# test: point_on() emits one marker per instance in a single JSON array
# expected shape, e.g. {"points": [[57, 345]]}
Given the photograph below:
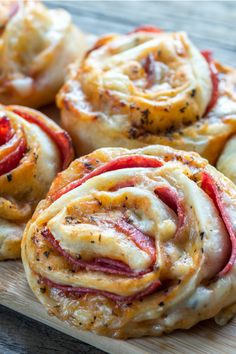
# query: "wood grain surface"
{"points": [[211, 25]]}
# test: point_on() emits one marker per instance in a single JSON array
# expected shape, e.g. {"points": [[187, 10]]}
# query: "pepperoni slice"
{"points": [[61, 139], [214, 78], [11, 161], [78, 291], [105, 265], [149, 67], [210, 187], [171, 198], [146, 28], [113, 165], [144, 242], [6, 132]]}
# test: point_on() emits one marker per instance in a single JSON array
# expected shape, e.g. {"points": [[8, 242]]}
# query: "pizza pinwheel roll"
{"points": [[149, 87], [33, 150], [135, 242], [36, 45]]}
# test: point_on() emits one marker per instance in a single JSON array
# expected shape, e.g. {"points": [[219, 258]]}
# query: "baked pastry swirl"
{"points": [[135, 242], [32, 150], [36, 45], [149, 87]]}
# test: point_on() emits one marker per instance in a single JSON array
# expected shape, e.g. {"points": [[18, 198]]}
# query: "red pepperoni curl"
{"points": [[99, 264], [11, 161], [78, 291], [210, 187], [142, 241], [149, 67], [6, 132], [113, 165], [214, 78], [61, 138], [170, 197], [146, 28]]}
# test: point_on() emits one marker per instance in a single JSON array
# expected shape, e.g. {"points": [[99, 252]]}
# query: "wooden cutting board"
{"points": [[207, 337]]}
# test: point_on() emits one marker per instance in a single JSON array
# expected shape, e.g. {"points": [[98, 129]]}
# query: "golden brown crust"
{"points": [[36, 45], [29, 160], [10, 246], [103, 219], [106, 101]]}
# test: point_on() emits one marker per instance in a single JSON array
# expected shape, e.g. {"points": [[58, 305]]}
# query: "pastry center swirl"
{"points": [[156, 81]]}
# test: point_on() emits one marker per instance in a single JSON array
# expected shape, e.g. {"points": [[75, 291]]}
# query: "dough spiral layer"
{"points": [[32, 150], [135, 242]]}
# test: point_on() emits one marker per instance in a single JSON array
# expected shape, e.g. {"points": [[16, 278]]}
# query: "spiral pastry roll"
{"points": [[36, 45], [135, 242], [150, 87], [33, 150]]}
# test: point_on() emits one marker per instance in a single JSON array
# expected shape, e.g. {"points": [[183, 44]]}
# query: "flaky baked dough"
{"points": [[135, 242], [30, 157], [149, 87], [36, 45]]}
